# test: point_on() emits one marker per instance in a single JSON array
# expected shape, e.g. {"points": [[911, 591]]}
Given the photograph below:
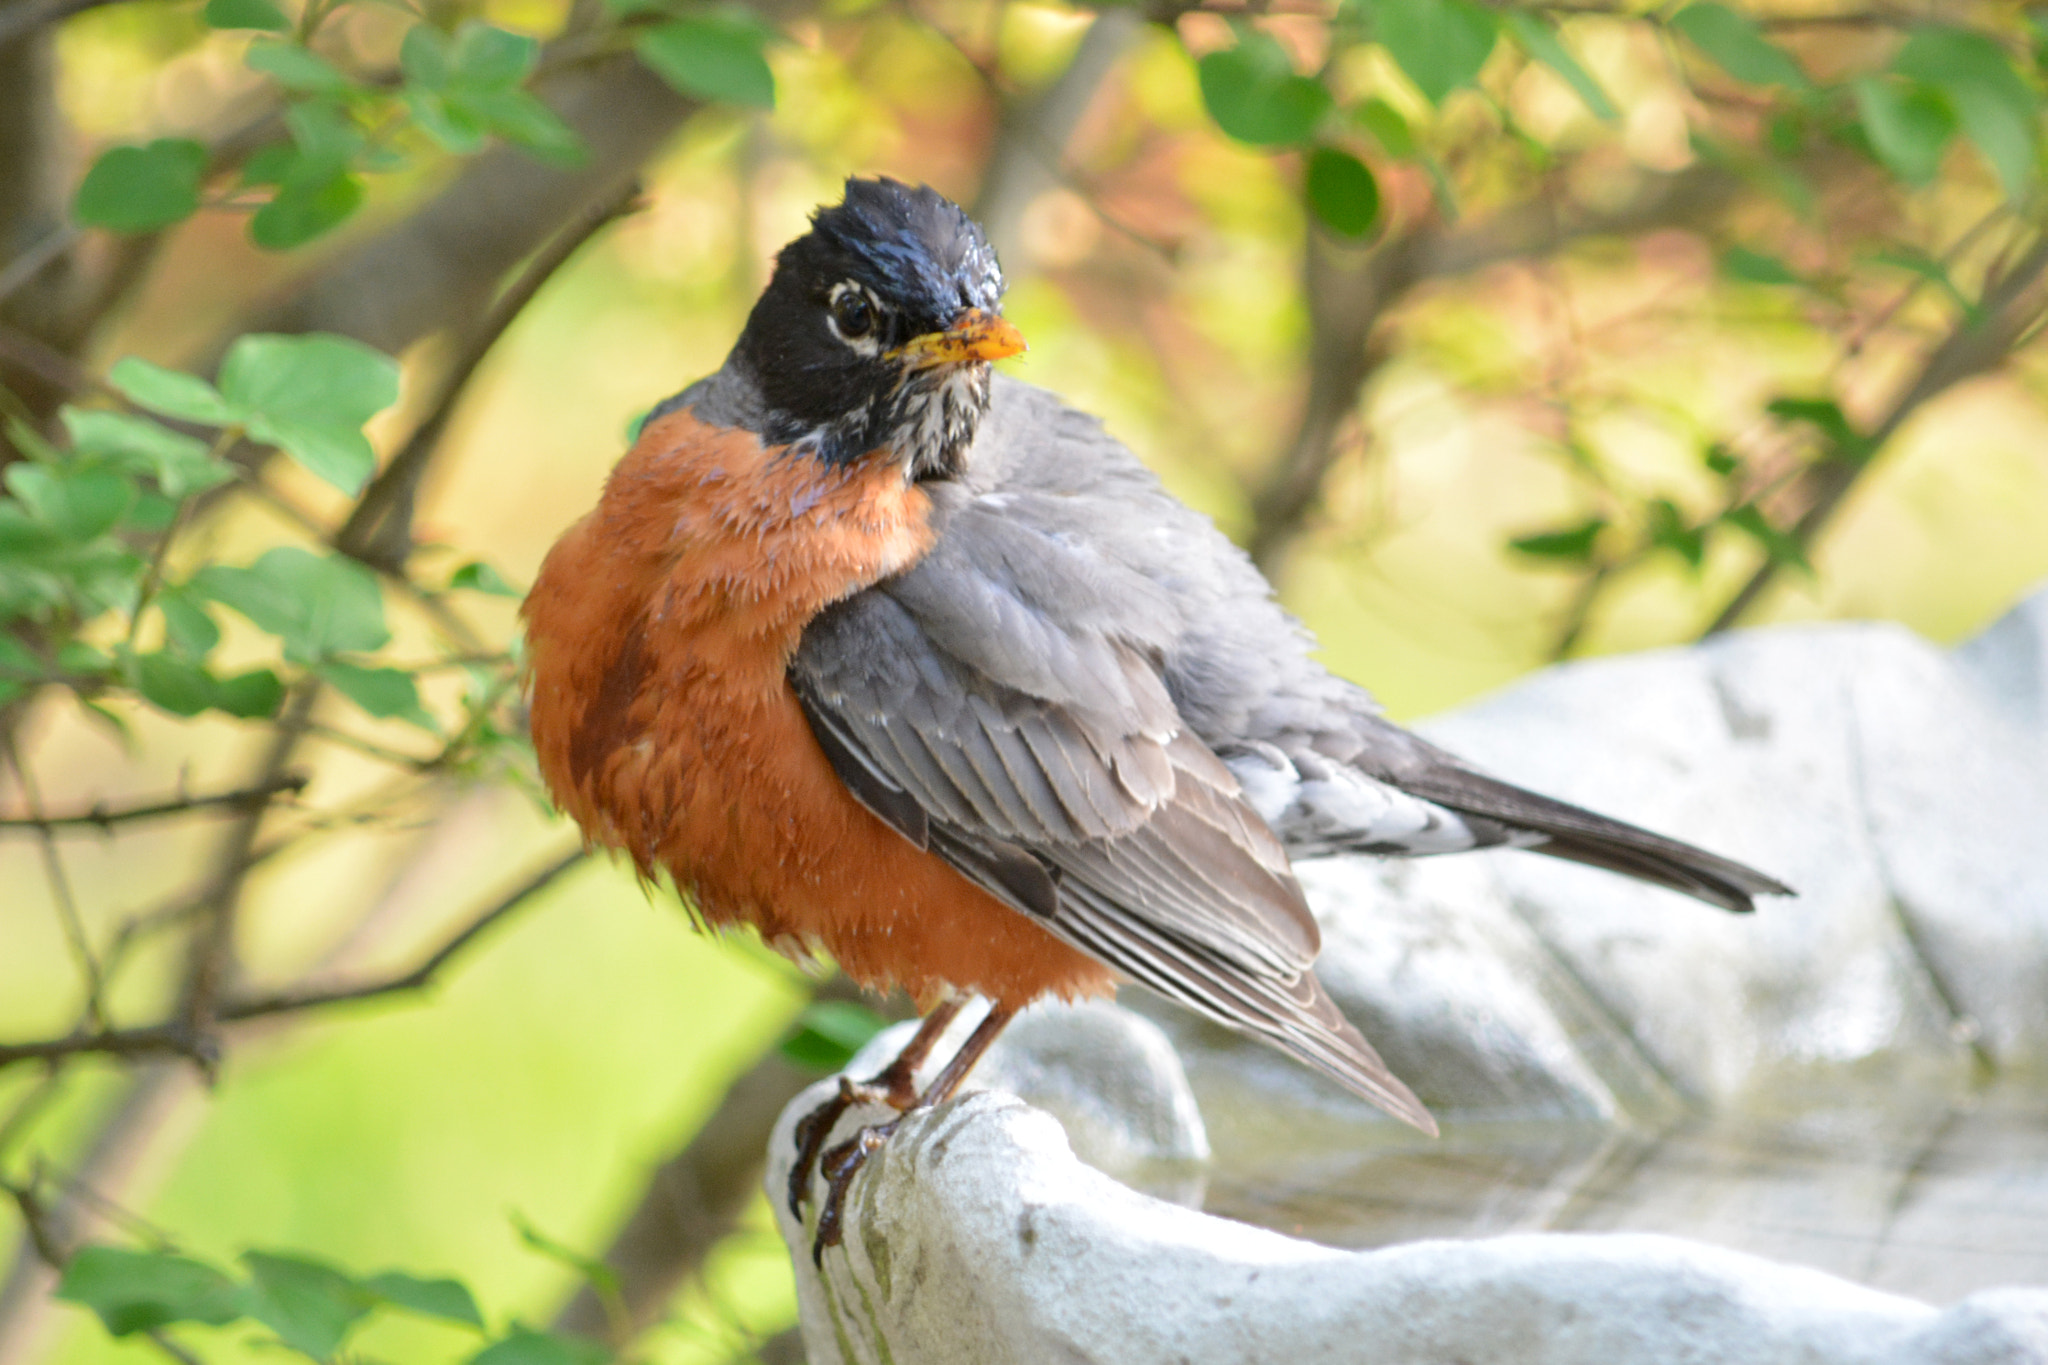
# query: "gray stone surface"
{"points": [[976, 1236], [1806, 1083]]}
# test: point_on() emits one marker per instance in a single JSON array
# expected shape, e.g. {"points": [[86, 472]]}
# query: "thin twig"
{"points": [[287, 1002], [46, 363], [1981, 340], [172, 1037], [26, 16], [30, 263], [35, 1222], [60, 889], [210, 959], [102, 818], [379, 529]]}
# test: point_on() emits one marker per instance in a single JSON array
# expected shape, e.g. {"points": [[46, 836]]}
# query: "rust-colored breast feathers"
{"points": [[660, 631]]}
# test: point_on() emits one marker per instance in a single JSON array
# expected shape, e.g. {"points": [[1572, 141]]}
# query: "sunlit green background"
{"points": [[585, 1039]]}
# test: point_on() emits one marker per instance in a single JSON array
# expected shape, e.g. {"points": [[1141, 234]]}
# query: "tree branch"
{"points": [[1031, 147], [23, 17], [174, 1038], [697, 1197], [1350, 293], [103, 818], [379, 530], [2011, 305]]}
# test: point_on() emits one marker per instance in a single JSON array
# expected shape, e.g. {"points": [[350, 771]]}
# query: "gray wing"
{"points": [[1316, 759], [988, 705]]}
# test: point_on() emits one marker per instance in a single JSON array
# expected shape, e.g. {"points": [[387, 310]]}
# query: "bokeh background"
{"points": [[1552, 317]]}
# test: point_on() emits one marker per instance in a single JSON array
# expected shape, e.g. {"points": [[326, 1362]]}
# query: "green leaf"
{"points": [[135, 1291], [309, 1305], [318, 607], [17, 661], [184, 687], [78, 503], [189, 630], [180, 464], [1954, 58], [1343, 193], [1782, 548], [1669, 530], [2006, 139], [712, 58], [524, 1346], [170, 392], [1387, 126], [423, 57], [387, 693], [1996, 107], [477, 576], [178, 685], [152, 512], [1930, 270], [601, 1277], [295, 68], [450, 123], [311, 395], [1539, 39], [828, 1034], [485, 56], [1440, 44], [246, 14], [1738, 46], [524, 121], [1255, 96], [142, 189], [1574, 543], [1908, 129], [305, 206], [449, 1300], [1753, 267], [269, 165], [1844, 442], [1720, 459], [324, 133], [255, 695]]}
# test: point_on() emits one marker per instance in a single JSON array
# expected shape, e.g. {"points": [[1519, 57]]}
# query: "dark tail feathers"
{"points": [[1583, 837]]}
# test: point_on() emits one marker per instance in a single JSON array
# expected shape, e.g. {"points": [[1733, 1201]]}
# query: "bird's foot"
{"points": [[839, 1167], [813, 1128]]}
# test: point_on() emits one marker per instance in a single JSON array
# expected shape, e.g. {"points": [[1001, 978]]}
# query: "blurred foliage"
{"points": [[1500, 332]]}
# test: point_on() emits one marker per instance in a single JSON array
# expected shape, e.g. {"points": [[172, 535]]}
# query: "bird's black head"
{"points": [[877, 331]]}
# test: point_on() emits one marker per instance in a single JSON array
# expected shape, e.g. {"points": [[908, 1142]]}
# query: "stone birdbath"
{"points": [[1819, 1134]]}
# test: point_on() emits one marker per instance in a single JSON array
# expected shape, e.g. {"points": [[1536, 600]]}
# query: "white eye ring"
{"points": [[853, 298]]}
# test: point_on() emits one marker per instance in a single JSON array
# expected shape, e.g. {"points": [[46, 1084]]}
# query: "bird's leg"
{"points": [[842, 1162], [894, 1085]]}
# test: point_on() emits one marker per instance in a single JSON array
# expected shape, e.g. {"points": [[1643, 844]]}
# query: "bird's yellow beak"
{"points": [[974, 335]]}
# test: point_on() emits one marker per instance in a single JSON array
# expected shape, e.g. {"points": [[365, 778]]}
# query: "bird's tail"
{"points": [[1583, 837]]}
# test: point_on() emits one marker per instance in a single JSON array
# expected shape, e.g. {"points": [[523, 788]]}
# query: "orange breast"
{"points": [[660, 632]]}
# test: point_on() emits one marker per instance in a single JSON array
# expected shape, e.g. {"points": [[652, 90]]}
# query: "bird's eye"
{"points": [[853, 313]]}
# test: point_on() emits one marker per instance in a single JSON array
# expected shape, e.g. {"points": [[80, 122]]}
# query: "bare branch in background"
{"points": [[102, 818], [2013, 304], [174, 1038], [379, 530], [1350, 293], [695, 1198], [21, 18], [1031, 148]]}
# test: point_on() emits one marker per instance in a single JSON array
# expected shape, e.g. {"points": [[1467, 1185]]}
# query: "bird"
{"points": [[913, 664]]}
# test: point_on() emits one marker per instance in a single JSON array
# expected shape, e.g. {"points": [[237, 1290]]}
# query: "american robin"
{"points": [[891, 657]]}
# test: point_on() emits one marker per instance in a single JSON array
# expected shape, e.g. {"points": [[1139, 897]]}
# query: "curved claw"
{"points": [[811, 1131], [839, 1166]]}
